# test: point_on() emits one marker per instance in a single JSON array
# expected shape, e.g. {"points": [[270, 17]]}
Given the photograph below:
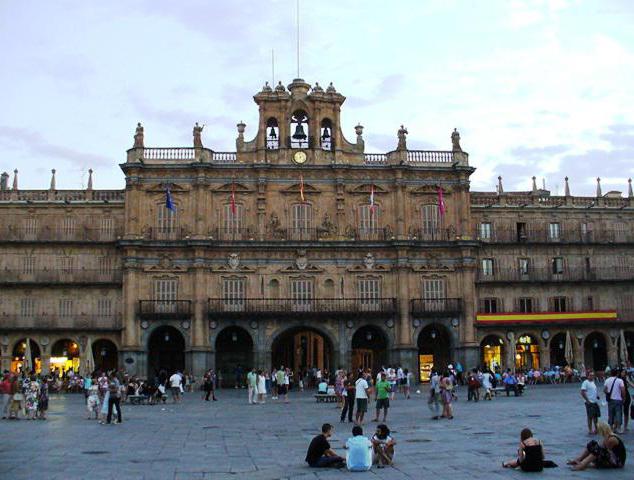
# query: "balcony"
{"points": [[435, 307], [288, 307], [170, 234], [595, 274], [61, 276], [440, 234], [43, 321], [165, 309], [54, 234], [530, 234], [233, 234]]}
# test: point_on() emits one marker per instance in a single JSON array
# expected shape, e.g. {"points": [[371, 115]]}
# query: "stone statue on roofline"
{"points": [[138, 136], [198, 130], [402, 138], [455, 141]]}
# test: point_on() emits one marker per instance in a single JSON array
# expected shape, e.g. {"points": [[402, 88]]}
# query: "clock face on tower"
{"points": [[299, 157]]}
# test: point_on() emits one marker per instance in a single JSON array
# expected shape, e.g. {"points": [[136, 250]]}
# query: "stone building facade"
{"points": [[301, 249]]}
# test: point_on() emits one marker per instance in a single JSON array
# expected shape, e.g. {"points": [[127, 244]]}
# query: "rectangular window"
{"points": [[430, 221], [67, 227], [301, 294], [232, 222], [620, 232], [369, 293], [166, 223], [65, 307], [586, 231], [485, 231], [105, 265], [557, 265], [301, 221], [234, 293], [559, 304], [522, 231], [525, 305], [165, 294], [107, 228], [368, 222], [489, 305], [434, 294], [27, 307], [523, 265], [487, 267], [30, 228], [554, 231], [28, 264], [589, 304], [104, 307], [65, 264]]}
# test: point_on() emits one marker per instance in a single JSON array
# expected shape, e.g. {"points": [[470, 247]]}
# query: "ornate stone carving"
{"points": [[369, 261], [233, 260], [327, 228], [301, 261]]}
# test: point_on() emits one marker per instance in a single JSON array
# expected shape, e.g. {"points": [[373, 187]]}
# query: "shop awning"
{"points": [[486, 319]]}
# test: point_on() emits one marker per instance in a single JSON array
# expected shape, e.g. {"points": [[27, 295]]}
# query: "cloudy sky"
{"points": [[539, 88]]}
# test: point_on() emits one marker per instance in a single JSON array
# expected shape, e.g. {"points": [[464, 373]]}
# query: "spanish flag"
{"points": [[301, 188]]}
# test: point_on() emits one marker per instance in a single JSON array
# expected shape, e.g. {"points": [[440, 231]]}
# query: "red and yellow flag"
{"points": [[301, 188]]}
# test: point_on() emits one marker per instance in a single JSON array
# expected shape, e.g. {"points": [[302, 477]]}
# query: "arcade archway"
{"points": [[166, 351], [302, 348], [64, 356], [492, 352], [558, 350], [106, 355], [526, 353], [17, 356], [434, 350], [234, 355], [595, 351], [369, 348]]}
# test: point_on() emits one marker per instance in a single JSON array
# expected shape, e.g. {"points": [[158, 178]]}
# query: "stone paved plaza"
{"points": [[229, 439]]}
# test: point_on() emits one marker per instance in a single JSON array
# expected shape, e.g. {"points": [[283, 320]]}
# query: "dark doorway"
{"points": [[369, 348], [234, 355], [166, 351], [595, 351], [301, 349], [434, 350], [558, 350], [106, 355]]}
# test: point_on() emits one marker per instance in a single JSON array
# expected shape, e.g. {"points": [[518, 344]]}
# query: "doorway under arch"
{"points": [[558, 350], [527, 353], [434, 350], [302, 348], [369, 348], [166, 351], [492, 352], [64, 356], [17, 356], [595, 351], [234, 355], [106, 355]]}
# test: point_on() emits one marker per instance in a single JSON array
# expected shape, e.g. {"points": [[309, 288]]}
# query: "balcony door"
{"points": [[165, 295]]}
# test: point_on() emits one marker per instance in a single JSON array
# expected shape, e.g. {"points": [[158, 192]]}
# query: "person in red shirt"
{"points": [[5, 395]]}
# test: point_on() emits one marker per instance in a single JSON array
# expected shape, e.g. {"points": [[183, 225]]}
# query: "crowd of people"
{"points": [[23, 396]]}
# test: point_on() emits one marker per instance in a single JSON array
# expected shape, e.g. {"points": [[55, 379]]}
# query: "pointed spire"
{"points": [[630, 193], [534, 184], [89, 179], [53, 179], [598, 187], [500, 188], [15, 179], [567, 188]]}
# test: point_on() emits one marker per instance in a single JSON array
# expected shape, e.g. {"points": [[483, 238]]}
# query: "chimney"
{"points": [[4, 181]]}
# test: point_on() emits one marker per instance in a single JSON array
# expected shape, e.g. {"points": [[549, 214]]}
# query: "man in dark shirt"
{"points": [[319, 453]]}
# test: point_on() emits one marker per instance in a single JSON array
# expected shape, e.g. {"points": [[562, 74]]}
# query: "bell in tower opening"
{"points": [[272, 134], [326, 138], [300, 138]]}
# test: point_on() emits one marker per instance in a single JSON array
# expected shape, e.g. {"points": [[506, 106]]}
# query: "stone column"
{"points": [[613, 353], [544, 353], [45, 359]]}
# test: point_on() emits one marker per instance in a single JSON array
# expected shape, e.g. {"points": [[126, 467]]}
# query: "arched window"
{"points": [[301, 221], [369, 228], [272, 134], [325, 134], [299, 128], [232, 222], [430, 222]]}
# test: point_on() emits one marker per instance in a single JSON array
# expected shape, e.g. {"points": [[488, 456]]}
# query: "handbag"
{"points": [[608, 396]]}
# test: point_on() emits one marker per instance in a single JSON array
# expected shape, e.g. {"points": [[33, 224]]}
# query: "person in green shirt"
{"points": [[382, 389]]}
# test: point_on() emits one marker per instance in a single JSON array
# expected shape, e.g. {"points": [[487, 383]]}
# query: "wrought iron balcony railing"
{"points": [[63, 276], [165, 309], [624, 273], [223, 307], [566, 234], [58, 234], [44, 321], [436, 306]]}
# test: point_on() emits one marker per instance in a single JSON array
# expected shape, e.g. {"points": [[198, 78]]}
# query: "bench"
{"points": [[325, 398], [137, 399]]}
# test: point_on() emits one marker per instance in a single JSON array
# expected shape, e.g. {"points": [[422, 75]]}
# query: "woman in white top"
{"points": [[487, 385], [261, 386]]}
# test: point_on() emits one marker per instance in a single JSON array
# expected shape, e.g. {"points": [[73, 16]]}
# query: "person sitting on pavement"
{"points": [[530, 454], [319, 454], [359, 455], [610, 453], [383, 446]]}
